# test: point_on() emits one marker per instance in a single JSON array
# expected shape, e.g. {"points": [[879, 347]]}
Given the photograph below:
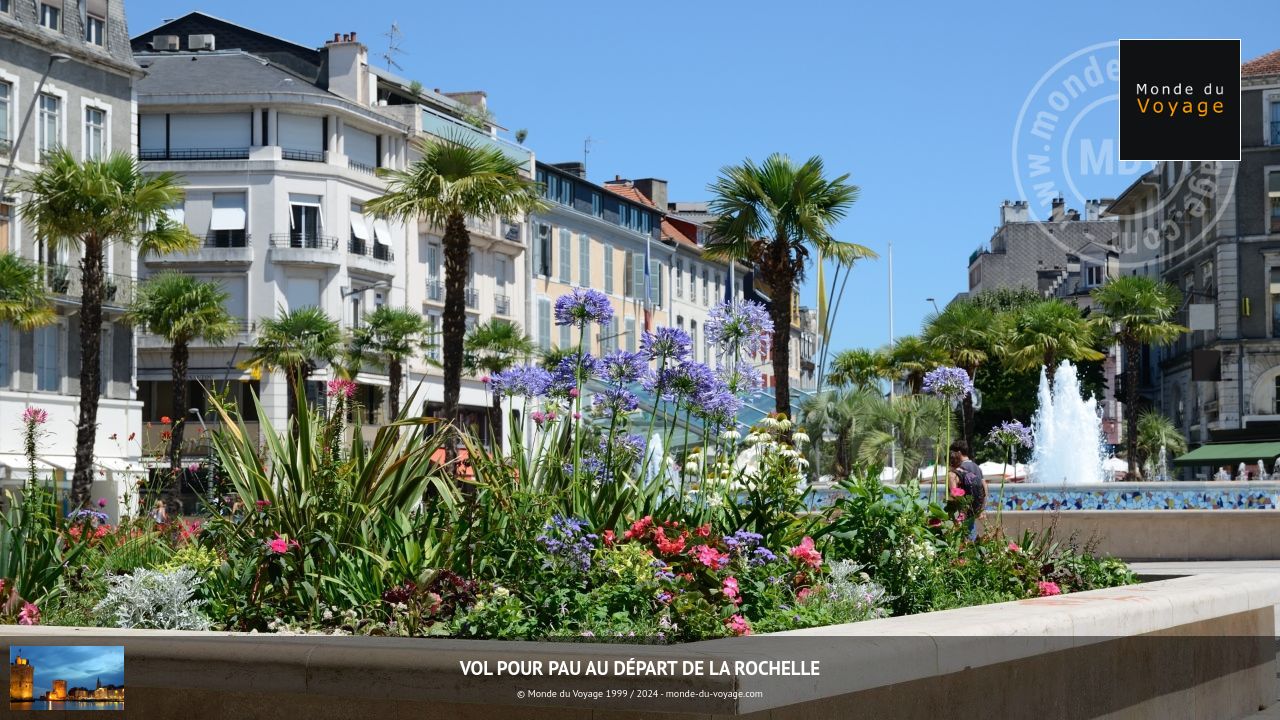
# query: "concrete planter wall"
{"points": [[1199, 647]]}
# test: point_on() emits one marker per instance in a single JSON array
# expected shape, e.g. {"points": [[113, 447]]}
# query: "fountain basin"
{"points": [[1111, 496]]}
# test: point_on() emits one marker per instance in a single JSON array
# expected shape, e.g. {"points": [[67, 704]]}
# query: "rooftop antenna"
{"points": [[393, 37], [586, 148]]}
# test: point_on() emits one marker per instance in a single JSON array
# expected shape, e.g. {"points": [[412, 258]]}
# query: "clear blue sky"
{"points": [[916, 101]]}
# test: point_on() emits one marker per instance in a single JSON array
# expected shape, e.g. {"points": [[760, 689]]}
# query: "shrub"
{"points": [[154, 600]]}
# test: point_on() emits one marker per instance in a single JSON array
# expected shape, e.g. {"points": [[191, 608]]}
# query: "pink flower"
{"points": [[29, 615], [738, 625], [102, 502], [731, 590], [804, 594], [957, 492], [485, 379], [573, 392], [1048, 588], [538, 416], [1013, 547], [279, 545], [35, 416], [341, 387], [805, 553], [960, 517], [577, 416], [262, 503], [193, 468], [710, 557]]}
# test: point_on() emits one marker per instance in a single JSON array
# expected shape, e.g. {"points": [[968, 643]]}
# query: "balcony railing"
{"points": [[360, 167], [375, 250], [435, 291], [501, 305], [309, 241], [1275, 132], [304, 155], [65, 282], [226, 239], [241, 153], [473, 298]]}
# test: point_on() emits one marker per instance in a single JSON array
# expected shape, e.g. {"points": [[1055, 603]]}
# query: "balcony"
{"points": [[220, 246], [243, 332], [63, 282], [370, 257], [473, 298], [502, 305], [299, 248], [1275, 132], [303, 155], [240, 153], [435, 291], [361, 167]]}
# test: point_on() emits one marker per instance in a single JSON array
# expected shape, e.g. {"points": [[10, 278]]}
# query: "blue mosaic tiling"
{"points": [[1117, 496]]}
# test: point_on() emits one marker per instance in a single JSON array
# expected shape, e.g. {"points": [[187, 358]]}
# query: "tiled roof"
{"points": [[670, 230], [1268, 64], [629, 192]]}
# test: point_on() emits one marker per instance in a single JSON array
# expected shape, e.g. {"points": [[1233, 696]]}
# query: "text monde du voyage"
{"points": [[1180, 99]]}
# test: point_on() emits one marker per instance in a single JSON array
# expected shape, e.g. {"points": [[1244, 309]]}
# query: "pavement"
{"points": [[1220, 566]]}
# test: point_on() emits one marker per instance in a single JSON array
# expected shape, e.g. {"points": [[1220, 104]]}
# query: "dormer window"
{"points": [[51, 14], [95, 22], [1094, 275]]}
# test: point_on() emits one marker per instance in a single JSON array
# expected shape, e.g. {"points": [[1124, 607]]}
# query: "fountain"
{"points": [[1240, 473], [1262, 471], [1162, 470], [1068, 433]]}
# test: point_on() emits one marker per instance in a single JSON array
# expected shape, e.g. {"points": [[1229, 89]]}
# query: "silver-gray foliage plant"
{"points": [[153, 599]]}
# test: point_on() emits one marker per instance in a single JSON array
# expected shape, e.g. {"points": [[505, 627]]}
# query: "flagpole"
{"points": [[893, 445]]}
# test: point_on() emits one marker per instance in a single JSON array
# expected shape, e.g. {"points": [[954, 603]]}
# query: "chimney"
{"points": [[1059, 210], [1011, 212], [348, 66], [654, 189], [577, 168]]}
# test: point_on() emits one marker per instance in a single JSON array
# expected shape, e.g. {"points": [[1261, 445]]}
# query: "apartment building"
{"points": [[1213, 230], [279, 145], [66, 81]]}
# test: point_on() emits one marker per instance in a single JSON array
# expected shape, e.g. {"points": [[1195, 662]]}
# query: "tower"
{"points": [[21, 679]]}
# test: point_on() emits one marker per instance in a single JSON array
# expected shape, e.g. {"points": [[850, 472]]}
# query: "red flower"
{"points": [[639, 528], [738, 625], [704, 531], [279, 545], [710, 557], [1047, 588], [730, 589], [608, 538], [957, 492], [673, 546], [805, 553], [1013, 547], [132, 435], [165, 420]]}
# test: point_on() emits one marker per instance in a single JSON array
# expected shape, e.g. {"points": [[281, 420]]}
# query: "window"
{"points": [[6, 98], [51, 15], [48, 368], [6, 213], [1275, 302], [356, 315], [584, 261], [542, 252], [6, 372], [631, 334], [1206, 276], [608, 269], [558, 189], [544, 324], [95, 26], [1275, 122], [4, 6], [655, 282], [597, 208], [1276, 409], [705, 294], [1093, 275], [228, 222], [634, 286], [1273, 198], [679, 278], [693, 337], [719, 289], [305, 221], [500, 273], [95, 133], [566, 337], [433, 336], [566, 245], [50, 126]]}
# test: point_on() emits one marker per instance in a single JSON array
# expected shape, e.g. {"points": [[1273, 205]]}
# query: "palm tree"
{"points": [[90, 207], [1138, 311], [911, 357], [452, 180], [858, 368], [1156, 431], [181, 308], [1045, 334], [839, 419], [295, 342], [770, 215], [491, 348], [909, 427], [394, 334], [22, 298], [964, 332]]}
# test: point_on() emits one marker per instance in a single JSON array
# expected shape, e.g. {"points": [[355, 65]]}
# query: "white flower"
{"points": [[730, 436], [800, 438]]}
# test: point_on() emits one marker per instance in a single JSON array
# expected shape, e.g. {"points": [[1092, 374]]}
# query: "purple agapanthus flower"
{"points": [[622, 367], [573, 372], [742, 326], [951, 383], [529, 381], [1010, 433], [685, 381], [629, 446], [717, 407], [583, 306], [615, 400], [743, 380], [667, 345]]}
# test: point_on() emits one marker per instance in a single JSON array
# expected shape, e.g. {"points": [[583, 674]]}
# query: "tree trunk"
{"points": [[179, 358], [966, 411], [1050, 367], [457, 250], [394, 371], [1131, 407], [291, 395], [90, 369], [495, 424], [780, 284]]}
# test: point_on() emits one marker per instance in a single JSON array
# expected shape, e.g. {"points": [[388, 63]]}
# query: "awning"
{"points": [[228, 212], [119, 465], [382, 231], [358, 228], [62, 462], [1230, 453], [19, 462], [177, 214]]}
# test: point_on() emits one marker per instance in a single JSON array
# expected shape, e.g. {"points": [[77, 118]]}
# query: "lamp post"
{"points": [[935, 305]]}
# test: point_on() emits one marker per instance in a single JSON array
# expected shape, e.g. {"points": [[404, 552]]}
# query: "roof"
{"points": [[629, 192], [670, 230], [220, 72], [1230, 453], [1268, 64]]}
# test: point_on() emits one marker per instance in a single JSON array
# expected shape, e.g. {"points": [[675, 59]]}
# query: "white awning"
{"points": [[371, 379], [382, 231], [62, 462], [177, 214], [19, 462], [358, 227], [228, 212], [119, 465]]}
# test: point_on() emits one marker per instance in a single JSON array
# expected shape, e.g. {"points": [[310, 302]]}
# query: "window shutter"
{"points": [[584, 260], [627, 276], [566, 245], [631, 334], [637, 281], [586, 338], [566, 338], [544, 323], [608, 269], [655, 288]]}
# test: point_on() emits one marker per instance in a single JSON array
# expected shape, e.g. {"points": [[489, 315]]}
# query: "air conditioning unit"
{"points": [[200, 42], [165, 42]]}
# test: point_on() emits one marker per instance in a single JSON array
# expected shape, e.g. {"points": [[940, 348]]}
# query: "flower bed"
{"points": [[593, 527]]}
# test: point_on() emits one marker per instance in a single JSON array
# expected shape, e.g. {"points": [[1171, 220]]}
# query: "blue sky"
{"points": [[79, 665], [916, 101]]}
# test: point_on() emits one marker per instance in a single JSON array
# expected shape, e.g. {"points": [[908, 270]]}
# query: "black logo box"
{"points": [[1187, 68]]}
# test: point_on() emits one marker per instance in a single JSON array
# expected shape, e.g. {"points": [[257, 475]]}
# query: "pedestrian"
{"points": [[966, 476], [159, 515]]}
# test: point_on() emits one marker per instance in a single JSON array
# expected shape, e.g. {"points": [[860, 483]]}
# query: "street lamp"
{"points": [[54, 59], [935, 305], [380, 285]]}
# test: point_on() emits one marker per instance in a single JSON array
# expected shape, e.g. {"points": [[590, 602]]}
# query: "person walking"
{"points": [[966, 485]]}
